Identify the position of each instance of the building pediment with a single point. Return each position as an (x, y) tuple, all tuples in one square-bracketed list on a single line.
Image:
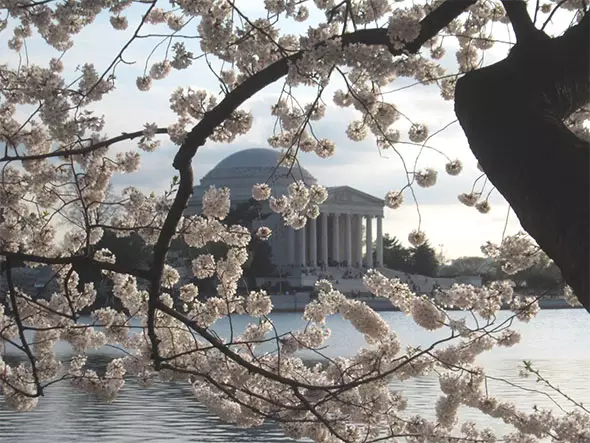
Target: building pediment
[(345, 195)]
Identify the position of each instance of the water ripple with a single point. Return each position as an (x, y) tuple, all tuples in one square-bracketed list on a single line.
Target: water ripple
[(557, 342)]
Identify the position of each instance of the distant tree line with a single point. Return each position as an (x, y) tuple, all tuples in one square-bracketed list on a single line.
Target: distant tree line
[(423, 260), (414, 260), (543, 275)]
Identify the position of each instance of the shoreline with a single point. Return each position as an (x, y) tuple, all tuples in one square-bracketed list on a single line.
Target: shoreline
[(297, 303)]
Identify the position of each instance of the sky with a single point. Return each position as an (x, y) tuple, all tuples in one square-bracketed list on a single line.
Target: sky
[(455, 229)]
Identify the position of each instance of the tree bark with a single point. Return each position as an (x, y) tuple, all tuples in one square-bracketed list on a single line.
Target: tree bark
[(512, 113)]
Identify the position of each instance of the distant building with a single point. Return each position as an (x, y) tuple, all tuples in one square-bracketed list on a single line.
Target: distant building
[(330, 247), (335, 238)]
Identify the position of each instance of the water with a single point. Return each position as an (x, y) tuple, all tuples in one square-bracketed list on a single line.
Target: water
[(557, 342)]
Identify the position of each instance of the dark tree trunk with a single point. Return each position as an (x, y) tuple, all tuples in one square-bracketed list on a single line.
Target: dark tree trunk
[(512, 113)]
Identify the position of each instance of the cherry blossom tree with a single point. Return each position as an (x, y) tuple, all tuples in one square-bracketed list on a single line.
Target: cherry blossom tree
[(524, 118)]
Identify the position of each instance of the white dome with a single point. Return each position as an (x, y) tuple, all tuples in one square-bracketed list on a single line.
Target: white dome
[(250, 158), (243, 169)]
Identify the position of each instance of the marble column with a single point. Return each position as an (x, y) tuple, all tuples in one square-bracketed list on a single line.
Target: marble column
[(302, 246), (348, 224), (313, 242), (379, 241), (291, 245), (358, 241), (324, 238), (336, 232), (369, 240)]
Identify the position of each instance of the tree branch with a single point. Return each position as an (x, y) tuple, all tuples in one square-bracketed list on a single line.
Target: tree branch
[(80, 151), (21, 329), (429, 27), (225, 350), (523, 26), (512, 113)]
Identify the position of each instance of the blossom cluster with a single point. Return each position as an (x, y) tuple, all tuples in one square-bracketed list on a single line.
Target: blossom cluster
[(301, 202), (197, 361), (515, 253), (59, 165)]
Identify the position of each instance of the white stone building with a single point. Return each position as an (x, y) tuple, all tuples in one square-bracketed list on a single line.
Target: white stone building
[(334, 239)]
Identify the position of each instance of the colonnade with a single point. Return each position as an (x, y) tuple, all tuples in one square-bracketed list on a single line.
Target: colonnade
[(335, 239)]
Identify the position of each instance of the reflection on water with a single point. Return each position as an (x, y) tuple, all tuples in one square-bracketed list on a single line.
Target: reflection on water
[(556, 341)]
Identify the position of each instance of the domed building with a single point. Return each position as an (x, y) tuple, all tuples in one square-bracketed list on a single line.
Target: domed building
[(334, 239), (243, 169)]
